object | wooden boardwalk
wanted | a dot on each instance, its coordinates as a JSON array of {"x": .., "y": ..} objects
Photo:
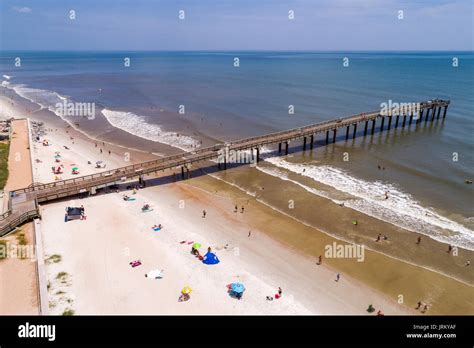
[{"x": 88, "y": 184}]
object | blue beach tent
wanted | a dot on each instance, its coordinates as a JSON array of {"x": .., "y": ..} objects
[{"x": 210, "y": 259}]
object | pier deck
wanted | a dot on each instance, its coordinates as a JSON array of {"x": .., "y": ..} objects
[{"x": 38, "y": 193}]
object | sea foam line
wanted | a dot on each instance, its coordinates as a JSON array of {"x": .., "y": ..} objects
[
  {"x": 401, "y": 209},
  {"x": 137, "y": 125},
  {"x": 329, "y": 233}
]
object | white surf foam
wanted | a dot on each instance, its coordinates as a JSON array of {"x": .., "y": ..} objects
[
  {"x": 400, "y": 209},
  {"x": 7, "y": 77},
  {"x": 138, "y": 126},
  {"x": 44, "y": 98}
]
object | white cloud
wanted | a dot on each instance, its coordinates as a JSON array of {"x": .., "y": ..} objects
[{"x": 22, "y": 9}]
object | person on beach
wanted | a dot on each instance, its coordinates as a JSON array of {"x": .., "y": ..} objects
[
  {"x": 378, "y": 237},
  {"x": 425, "y": 308},
  {"x": 242, "y": 209},
  {"x": 249, "y": 234},
  {"x": 278, "y": 295},
  {"x": 419, "y": 305},
  {"x": 468, "y": 263},
  {"x": 236, "y": 209},
  {"x": 109, "y": 152},
  {"x": 418, "y": 241},
  {"x": 338, "y": 276},
  {"x": 100, "y": 150},
  {"x": 320, "y": 260},
  {"x": 450, "y": 248},
  {"x": 386, "y": 195},
  {"x": 209, "y": 249},
  {"x": 203, "y": 214}
]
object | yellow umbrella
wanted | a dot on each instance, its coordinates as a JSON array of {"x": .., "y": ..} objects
[{"x": 186, "y": 290}]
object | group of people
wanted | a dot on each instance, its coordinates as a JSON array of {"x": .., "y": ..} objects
[
  {"x": 420, "y": 305},
  {"x": 236, "y": 209},
  {"x": 277, "y": 296}
]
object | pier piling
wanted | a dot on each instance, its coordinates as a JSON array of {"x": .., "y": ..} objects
[
  {"x": 312, "y": 141},
  {"x": 286, "y": 147},
  {"x": 279, "y": 148},
  {"x": 381, "y": 126},
  {"x": 365, "y": 128},
  {"x": 182, "y": 173},
  {"x": 445, "y": 109},
  {"x": 420, "y": 118},
  {"x": 347, "y": 132},
  {"x": 373, "y": 126},
  {"x": 396, "y": 121},
  {"x": 327, "y": 137},
  {"x": 334, "y": 135},
  {"x": 389, "y": 122},
  {"x": 355, "y": 130},
  {"x": 304, "y": 143},
  {"x": 404, "y": 121}
]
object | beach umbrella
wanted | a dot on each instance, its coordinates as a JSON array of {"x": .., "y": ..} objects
[
  {"x": 237, "y": 288},
  {"x": 186, "y": 290},
  {"x": 196, "y": 245},
  {"x": 155, "y": 274},
  {"x": 75, "y": 168},
  {"x": 210, "y": 259}
]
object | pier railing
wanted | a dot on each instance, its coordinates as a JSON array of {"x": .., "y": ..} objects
[{"x": 63, "y": 188}]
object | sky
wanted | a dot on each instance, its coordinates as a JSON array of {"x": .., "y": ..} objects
[{"x": 237, "y": 25}]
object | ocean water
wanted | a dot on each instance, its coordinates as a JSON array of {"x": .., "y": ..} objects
[{"x": 425, "y": 166}]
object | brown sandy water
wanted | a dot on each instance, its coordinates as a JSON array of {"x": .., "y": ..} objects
[
  {"x": 388, "y": 275},
  {"x": 300, "y": 228}
]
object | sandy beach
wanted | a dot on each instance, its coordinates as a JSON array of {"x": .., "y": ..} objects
[{"x": 88, "y": 260}]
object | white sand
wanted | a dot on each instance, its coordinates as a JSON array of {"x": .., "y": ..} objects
[
  {"x": 95, "y": 253},
  {"x": 79, "y": 154}
]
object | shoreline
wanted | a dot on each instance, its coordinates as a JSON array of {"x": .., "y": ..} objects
[{"x": 81, "y": 148}]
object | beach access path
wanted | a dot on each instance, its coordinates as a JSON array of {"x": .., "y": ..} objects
[{"x": 18, "y": 277}]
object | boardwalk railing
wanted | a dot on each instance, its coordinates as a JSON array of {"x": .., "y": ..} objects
[{"x": 15, "y": 220}]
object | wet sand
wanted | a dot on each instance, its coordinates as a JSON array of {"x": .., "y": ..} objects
[
  {"x": 299, "y": 230},
  {"x": 388, "y": 275}
]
